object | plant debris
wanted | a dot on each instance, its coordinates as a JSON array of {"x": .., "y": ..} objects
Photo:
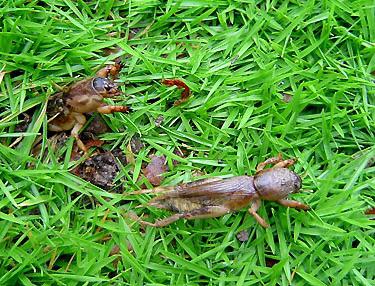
[
  {"x": 287, "y": 97},
  {"x": 56, "y": 142},
  {"x": 101, "y": 169},
  {"x": 270, "y": 262},
  {"x": 136, "y": 144},
  {"x": 243, "y": 236},
  {"x": 180, "y": 84},
  {"x": 24, "y": 123},
  {"x": 159, "y": 120},
  {"x": 155, "y": 169}
]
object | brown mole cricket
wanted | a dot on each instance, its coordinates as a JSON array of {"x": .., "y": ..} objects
[
  {"x": 66, "y": 108},
  {"x": 216, "y": 197}
]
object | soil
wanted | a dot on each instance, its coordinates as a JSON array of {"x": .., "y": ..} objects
[{"x": 101, "y": 169}]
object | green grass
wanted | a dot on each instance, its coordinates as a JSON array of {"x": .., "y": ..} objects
[{"x": 239, "y": 58}]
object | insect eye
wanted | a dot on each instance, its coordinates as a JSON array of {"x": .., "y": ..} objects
[
  {"x": 101, "y": 84},
  {"x": 297, "y": 183},
  {"x": 98, "y": 83}
]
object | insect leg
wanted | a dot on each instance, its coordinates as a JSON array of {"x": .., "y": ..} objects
[
  {"x": 80, "y": 121},
  {"x": 253, "y": 211},
  {"x": 152, "y": 191},
  {"x": 293, "y": 204},
  {"x": 273, "y": 160},
  {"x": 54, "y": 127},
  {"x": 285, "y": 163},
  {"x": 163, "y": 222},
  {"x": 159, "y": 223},
  {"x": 107, "y": 109},
  {"x": 112, "y": 70},
  {"x": 205, "y": 212}
]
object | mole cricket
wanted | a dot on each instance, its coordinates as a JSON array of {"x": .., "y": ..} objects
[
  {"x": 216, "y": 197},
  {"x": 66, "y": 108}
]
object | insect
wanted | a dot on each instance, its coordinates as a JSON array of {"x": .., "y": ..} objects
[
  {"x": 216, "y": 197},
  {"x": 66, "y": 108}
]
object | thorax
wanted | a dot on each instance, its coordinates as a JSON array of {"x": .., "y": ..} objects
[{"x": 83, "y": 98}]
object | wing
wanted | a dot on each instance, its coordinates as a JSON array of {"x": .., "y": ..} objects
[
  {"x": 209, "y": 188},
  {"x": 233, "y": 193}
]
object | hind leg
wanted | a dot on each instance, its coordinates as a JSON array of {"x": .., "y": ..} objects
[
  {"x": 205, "y": 212},
  {"x": 253, "y": 211},
  {"x": 163, "y": 222}
]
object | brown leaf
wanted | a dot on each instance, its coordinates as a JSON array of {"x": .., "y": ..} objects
[
  {"x": 159, "y": 120},
  {"x": 155, "y": 169},
  {"x": 180, "y": 84},
  {"x": 115, "y": 250},
  {"x": 243, "y": 236},
  {"x": 2, "y": 74},
  {"x": 136, "y": 144},
  {"x": 94, "y": 143},
  {"x": 287, "y": 97}
]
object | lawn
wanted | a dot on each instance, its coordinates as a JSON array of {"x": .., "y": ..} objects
[{"x": 267, "y": 77}]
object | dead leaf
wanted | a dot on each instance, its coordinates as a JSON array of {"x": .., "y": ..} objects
[
  {"x": 243, "y": 236},
  {"x": 2, "y": 74},
  {"x": 287, "y": 97},
  {"x": 155, "y": 169},
  {"x": 180, "y": 84},
  {"x": 159, "y": 120}
]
